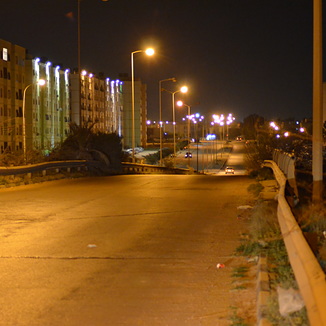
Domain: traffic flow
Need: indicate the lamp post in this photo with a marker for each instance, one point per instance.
(183, 89)
(41, 82)
(160, 115)
(180, 103)
(149, 52)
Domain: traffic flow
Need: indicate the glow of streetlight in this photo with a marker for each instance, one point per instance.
(149, 51)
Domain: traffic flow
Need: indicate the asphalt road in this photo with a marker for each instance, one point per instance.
(123, 250)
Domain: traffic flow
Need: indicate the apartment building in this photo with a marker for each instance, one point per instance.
(140, 112)
(98, 102)
(12, 84)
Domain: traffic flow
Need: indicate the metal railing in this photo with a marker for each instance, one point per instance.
(308, 273)
(135, 168)
(42, 167)
(127, 168)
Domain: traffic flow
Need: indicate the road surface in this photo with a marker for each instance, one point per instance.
(123, 250)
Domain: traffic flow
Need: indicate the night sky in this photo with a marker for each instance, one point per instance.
(236, 56)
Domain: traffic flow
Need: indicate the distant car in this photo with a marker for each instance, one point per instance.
(229, 170)
(188, 154)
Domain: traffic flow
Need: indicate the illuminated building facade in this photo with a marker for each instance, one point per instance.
(12, 84)
(98, 102)
(48, 106)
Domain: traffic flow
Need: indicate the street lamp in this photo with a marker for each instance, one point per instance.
(180, 103)
(160, 117)
(183, 89)
(40, 82)
(149, 52)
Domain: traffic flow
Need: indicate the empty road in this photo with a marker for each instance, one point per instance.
(122, 250)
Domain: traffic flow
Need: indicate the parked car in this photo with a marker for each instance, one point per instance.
(188, 154)
(229, 170)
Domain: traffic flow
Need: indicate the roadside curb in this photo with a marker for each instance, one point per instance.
(263, 291)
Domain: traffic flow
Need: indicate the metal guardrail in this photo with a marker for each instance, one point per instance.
(127, 168)
(28, 169)
(286, 163)
(308, 273)
(135, 168)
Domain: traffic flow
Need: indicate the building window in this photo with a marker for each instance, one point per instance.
(5, 54)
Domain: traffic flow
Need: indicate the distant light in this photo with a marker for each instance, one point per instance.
(148, 122)
(302, 129)
(84, 72)
(184, 89)
(278, 136)
(179, 103)
(48, 64)
(286, 134)
(37, 60)
(211, 137)
(197, 115)
(91, 75)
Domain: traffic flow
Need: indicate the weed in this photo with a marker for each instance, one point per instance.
(236, 320)
(255, 189)
(249, 248)
(240, 271)
(239, 287)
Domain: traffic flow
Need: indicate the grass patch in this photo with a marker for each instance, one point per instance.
(265, 238)
(235, 319)
(240, 271)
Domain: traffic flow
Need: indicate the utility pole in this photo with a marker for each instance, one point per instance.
(317, 136)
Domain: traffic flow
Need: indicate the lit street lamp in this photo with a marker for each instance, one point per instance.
(41, 82)
(183, 89)
(161, 121)
(180, 103)
(149, 52)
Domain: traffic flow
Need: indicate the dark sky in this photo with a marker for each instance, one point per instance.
(239, 56)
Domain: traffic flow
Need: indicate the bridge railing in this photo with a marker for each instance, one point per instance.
(127, 168)
(308, 273)
(135, 168)
(42, 167)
